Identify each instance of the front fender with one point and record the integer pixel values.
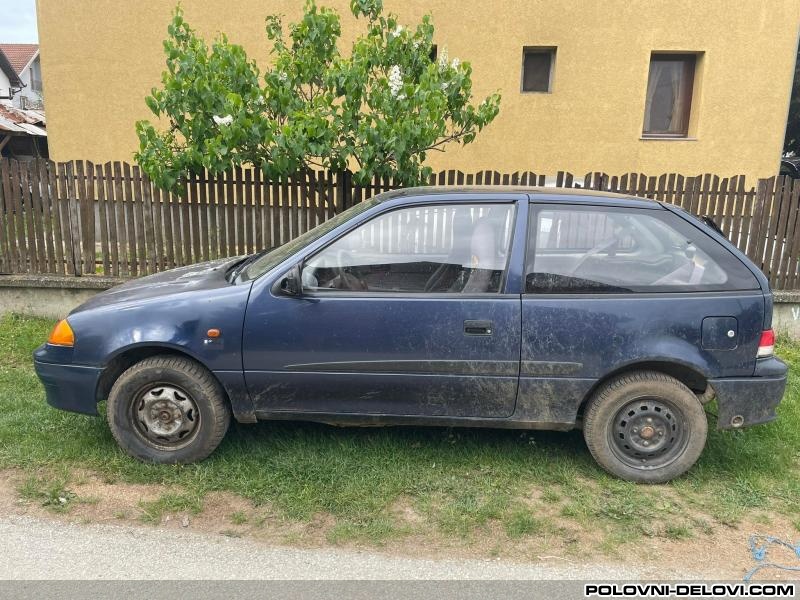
(178, 322)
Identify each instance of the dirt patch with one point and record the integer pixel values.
(722, 552)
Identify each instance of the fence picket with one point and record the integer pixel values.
(16, 198)
(151, 253)
(47, 214)
(74, 216)
(63, 200)
(36, 204)
(193, 197)
(112, 210)
(7, 246)
(103, 215)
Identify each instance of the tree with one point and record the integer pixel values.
(792, 141)
(379, 110)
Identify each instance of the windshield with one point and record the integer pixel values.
(277, 255)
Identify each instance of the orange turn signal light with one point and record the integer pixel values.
(213, 333)
(62, 334)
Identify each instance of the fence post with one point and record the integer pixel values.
(345, 191)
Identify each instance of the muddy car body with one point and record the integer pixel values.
(490, 307)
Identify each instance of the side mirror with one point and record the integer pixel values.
(290, 284)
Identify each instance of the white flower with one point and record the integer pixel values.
(445, 85)
(443, 58)
(397, 31)
(226, 120)
(401, 97)
(455, 63)
(282, 76)
(395, 80)
(416, 44)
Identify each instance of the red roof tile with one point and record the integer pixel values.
(19, 55)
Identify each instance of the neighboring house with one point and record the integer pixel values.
(650, 86)
(23, 133)
(10, 83)
(24, 59)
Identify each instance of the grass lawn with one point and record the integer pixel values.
(461, 484)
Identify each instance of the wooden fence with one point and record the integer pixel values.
(78, 218)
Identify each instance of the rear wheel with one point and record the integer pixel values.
(168, 409)
(645, 427)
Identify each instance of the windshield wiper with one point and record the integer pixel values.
(249, 260)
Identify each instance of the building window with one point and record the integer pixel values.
(537, 69)
(669, 95)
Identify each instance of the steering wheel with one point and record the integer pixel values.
(347, 280)
(596, 250)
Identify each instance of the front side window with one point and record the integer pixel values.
(616, 250)
(669, 95)
(458, 249)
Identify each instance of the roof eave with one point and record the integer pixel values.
(30, 62)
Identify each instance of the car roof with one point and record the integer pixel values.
(548, 194)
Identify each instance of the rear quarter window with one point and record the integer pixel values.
(576, 249)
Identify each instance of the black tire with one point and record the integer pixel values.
(645, 427)
(168, 409)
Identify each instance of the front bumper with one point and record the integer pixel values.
(68, 387)
(744, 401)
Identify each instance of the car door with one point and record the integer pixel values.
(405, 314)
(612, 286)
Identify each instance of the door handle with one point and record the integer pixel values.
(478, 327)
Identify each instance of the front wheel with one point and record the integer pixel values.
(168, 409)
(645, 427)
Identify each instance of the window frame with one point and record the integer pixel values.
(551, 52)
(690, 60)
(502, 291)
(532, 232)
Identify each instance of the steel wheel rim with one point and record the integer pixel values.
(649, 433)
(165, 416)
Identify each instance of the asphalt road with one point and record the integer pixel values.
(38, 549)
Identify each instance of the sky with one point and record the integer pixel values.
(18, 21)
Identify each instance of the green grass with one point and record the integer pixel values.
(463, 485)
(49, 491)
(170, 502)
(238, 518)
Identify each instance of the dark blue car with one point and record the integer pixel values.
(486, 307)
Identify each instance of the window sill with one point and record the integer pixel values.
(668, 138)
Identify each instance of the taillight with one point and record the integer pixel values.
(766, 344)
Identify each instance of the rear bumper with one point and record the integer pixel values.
(68, 387)
(748, 401)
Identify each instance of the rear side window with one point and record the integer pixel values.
(616, 250)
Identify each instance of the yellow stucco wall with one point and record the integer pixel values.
(101, 57)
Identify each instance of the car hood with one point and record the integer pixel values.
(196, 277)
